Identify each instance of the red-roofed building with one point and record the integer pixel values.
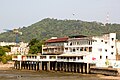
(54, 46)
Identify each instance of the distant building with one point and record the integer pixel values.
(21, 48)
(7, 43)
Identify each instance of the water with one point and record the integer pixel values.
(45, 75)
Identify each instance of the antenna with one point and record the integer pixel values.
(107, 19)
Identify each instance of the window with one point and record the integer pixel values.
(112, 39)
(73, 50)
(85, 49)
(81, 57)
(112, 53)
(105, 50)
(70, 44)
(81, 49)
(106, 57)
(90, 49)
(77, 49)
(100, 57)
(101, 40)
(67, 44)
(112, 46)
(66, 48)
(105, 42)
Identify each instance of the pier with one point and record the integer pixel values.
(50, 63)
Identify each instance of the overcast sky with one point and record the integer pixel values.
(19, 13)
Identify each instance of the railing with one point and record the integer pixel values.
(70, 60)
(45, 58)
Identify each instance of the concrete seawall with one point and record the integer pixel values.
(105, 71)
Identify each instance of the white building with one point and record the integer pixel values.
(100, 50)
(7, 43)
(22, 48)
(104, 49)
(54, 46)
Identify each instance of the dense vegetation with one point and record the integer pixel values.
(48, 28)
(35, 46)
(3, 57)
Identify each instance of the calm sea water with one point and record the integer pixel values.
(45, 75)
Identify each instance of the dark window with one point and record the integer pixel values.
(85, 49)
(81, 57)
(77, 48)
(112, 39)
(81, 49)
(112, 46)
(106, 57)
(73, 50)
(101, 40)
(112, 53)
(105, 42)
(90, 49)
(100, 57)
(70, 44)
(105, 50)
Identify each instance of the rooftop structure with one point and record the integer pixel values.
(54, 46)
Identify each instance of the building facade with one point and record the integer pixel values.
(54, 46)
(100, 50)
(22, 49)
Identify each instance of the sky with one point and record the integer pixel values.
(19, 13)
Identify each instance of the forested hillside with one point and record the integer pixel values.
(48, 28)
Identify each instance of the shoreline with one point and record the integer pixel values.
(47, 75)
(7, 66)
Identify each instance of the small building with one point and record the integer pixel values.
(54, 46)
(22, 49)
(7, 43)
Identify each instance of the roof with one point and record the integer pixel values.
(57, 40)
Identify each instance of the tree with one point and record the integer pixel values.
(3, 57)
(33, 42)
(35, 46)
(2, 52)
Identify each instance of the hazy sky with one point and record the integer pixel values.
(19, 13)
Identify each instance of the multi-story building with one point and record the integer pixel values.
(104, 49)
(77, 48)
(54, 46)
(22, 49)
(96, 49)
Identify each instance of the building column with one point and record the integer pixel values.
(40, 65)
(48, 65)
(20, 65)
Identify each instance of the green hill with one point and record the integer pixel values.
(48, 28)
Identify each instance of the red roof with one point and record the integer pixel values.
(57, 40)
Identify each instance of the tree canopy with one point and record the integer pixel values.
(48, 28)
(35, 46)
